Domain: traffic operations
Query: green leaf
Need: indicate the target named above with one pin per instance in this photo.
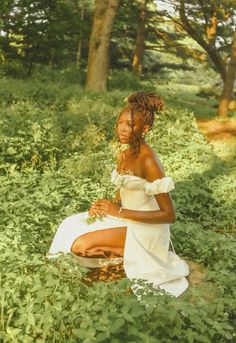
(117, 324)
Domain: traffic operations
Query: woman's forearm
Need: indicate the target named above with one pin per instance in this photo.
(151, 217)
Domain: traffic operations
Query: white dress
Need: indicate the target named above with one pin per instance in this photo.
(146, 252)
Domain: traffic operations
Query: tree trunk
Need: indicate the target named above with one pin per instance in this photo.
(140, 40)
(98, 59)
(78, 56)
(227, 93)
(30, 67)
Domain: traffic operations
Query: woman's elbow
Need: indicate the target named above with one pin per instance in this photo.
(173, 218)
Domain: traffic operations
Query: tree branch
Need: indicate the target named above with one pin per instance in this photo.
(208, 47)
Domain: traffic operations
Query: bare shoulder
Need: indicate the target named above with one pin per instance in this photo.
(152, 168)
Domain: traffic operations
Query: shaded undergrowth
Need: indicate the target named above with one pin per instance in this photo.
(56, 157)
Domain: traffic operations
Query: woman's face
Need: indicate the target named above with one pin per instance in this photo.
(124, 127)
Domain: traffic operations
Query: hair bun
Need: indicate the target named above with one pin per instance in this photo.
(148, 101)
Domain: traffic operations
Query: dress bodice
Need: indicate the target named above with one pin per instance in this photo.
(138, 193)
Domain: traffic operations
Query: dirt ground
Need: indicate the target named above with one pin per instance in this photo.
(221, 134)
(116, 272)
(218, 129)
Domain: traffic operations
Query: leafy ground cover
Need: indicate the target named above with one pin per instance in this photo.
(56, 157)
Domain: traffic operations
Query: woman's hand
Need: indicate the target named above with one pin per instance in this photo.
(94, 211)
(103, 207)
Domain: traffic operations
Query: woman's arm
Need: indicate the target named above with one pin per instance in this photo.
(162, 216)
(152, 169)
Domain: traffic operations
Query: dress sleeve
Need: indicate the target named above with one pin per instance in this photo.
(158, 186)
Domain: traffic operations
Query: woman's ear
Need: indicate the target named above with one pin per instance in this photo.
(146, 128)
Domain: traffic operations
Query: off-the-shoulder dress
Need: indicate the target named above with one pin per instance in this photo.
(146, 252)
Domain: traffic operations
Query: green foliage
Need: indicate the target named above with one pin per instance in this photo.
(43, 32)
(123, 80)
(209, 34)
(56, 159)
(48, 35)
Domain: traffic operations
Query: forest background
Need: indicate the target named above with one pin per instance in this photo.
(66, 68)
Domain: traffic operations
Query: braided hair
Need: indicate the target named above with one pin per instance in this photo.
(146, 104)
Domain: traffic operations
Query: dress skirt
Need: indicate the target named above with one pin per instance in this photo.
(146, 251)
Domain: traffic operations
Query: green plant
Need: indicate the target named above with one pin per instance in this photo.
(45, 300)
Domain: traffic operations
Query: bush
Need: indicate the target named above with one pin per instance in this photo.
(126, 81)
(56, 158)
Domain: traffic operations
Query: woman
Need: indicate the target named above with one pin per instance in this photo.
(137, 228)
